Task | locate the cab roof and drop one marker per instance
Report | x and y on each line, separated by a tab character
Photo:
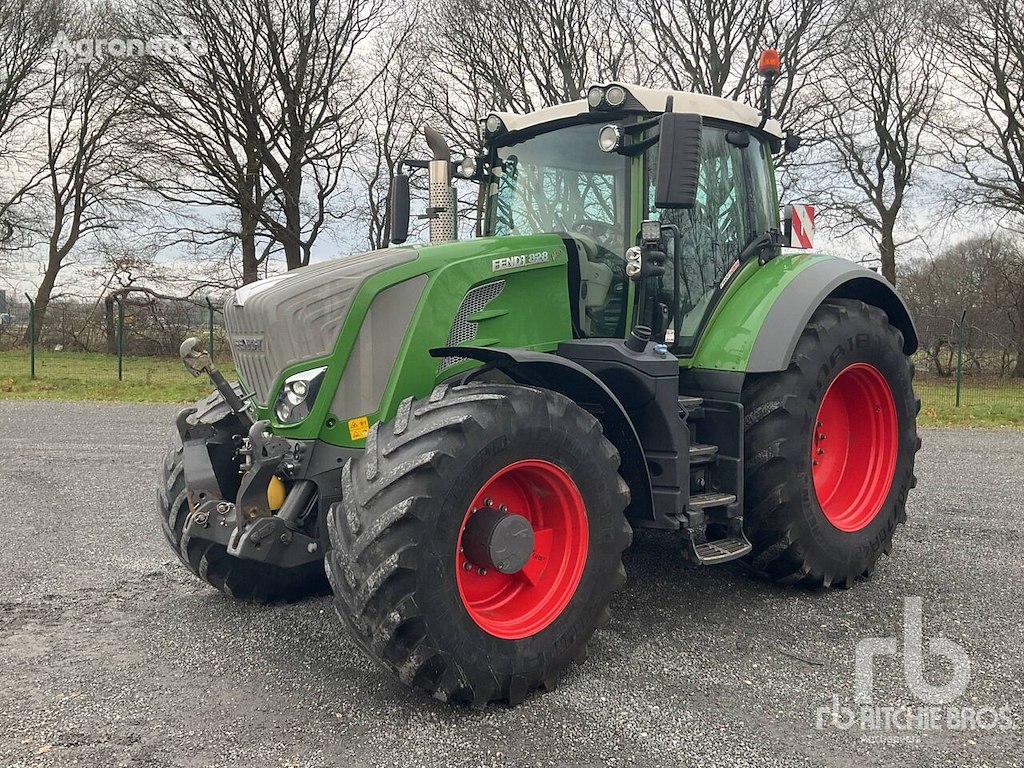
641	99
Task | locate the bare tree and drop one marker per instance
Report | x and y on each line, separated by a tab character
199	139
311	121
520	56
28	29
394	117
983	129
263	121
1005	259
880	97
984	277
84	166
712	47
134	275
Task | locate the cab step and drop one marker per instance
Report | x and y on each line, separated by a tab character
720	550
702	453
713	499
691	409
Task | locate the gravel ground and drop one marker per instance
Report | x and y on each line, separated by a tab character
112	654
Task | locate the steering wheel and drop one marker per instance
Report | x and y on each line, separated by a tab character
594	250
593	228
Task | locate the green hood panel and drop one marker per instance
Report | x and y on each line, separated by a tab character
531	311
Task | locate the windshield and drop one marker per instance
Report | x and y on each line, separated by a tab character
560	181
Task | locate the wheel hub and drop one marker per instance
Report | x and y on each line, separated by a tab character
522	548
854	446
495	538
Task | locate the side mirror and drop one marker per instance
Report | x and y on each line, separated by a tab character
678	161
399	208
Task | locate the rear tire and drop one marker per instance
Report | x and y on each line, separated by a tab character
403	585
830	445
241	579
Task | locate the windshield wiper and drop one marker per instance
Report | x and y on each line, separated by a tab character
769	239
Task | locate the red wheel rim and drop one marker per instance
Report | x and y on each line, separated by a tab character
517	605
853	448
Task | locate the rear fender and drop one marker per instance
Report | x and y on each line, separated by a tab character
765	309
540	369
831	278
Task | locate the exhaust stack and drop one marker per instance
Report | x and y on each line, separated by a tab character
441	199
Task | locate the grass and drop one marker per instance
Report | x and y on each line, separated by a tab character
983	402
80	376
84	376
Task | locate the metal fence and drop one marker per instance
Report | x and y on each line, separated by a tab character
972	390
964	366
102	337
959	364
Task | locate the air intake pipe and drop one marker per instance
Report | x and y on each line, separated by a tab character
441	199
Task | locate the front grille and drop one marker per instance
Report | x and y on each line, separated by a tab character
464	330
294	317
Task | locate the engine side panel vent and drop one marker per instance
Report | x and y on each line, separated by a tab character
463	329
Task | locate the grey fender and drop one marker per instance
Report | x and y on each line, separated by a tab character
834	278
548	371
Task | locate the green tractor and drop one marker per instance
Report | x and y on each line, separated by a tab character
458	438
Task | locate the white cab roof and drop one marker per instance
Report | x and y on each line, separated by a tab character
653	99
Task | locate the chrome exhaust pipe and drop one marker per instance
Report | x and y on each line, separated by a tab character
441	200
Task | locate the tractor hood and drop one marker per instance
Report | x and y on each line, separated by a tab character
297	316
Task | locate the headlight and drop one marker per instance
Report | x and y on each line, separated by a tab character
634	262
607	97
467	168
615	95
493	124
610	138
296	397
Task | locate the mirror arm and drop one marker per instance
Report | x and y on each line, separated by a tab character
639	148
633	128
673	229
771	239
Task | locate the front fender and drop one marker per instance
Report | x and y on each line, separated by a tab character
542	369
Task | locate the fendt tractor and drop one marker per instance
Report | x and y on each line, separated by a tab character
458	438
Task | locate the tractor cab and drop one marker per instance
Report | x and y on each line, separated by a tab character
590	170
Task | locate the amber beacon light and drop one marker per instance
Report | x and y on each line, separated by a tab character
768	64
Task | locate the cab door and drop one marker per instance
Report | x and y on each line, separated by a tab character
735	204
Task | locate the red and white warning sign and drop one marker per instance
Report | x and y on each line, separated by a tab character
800	225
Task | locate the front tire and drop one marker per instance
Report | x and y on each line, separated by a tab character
402	540
830	445
211	562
